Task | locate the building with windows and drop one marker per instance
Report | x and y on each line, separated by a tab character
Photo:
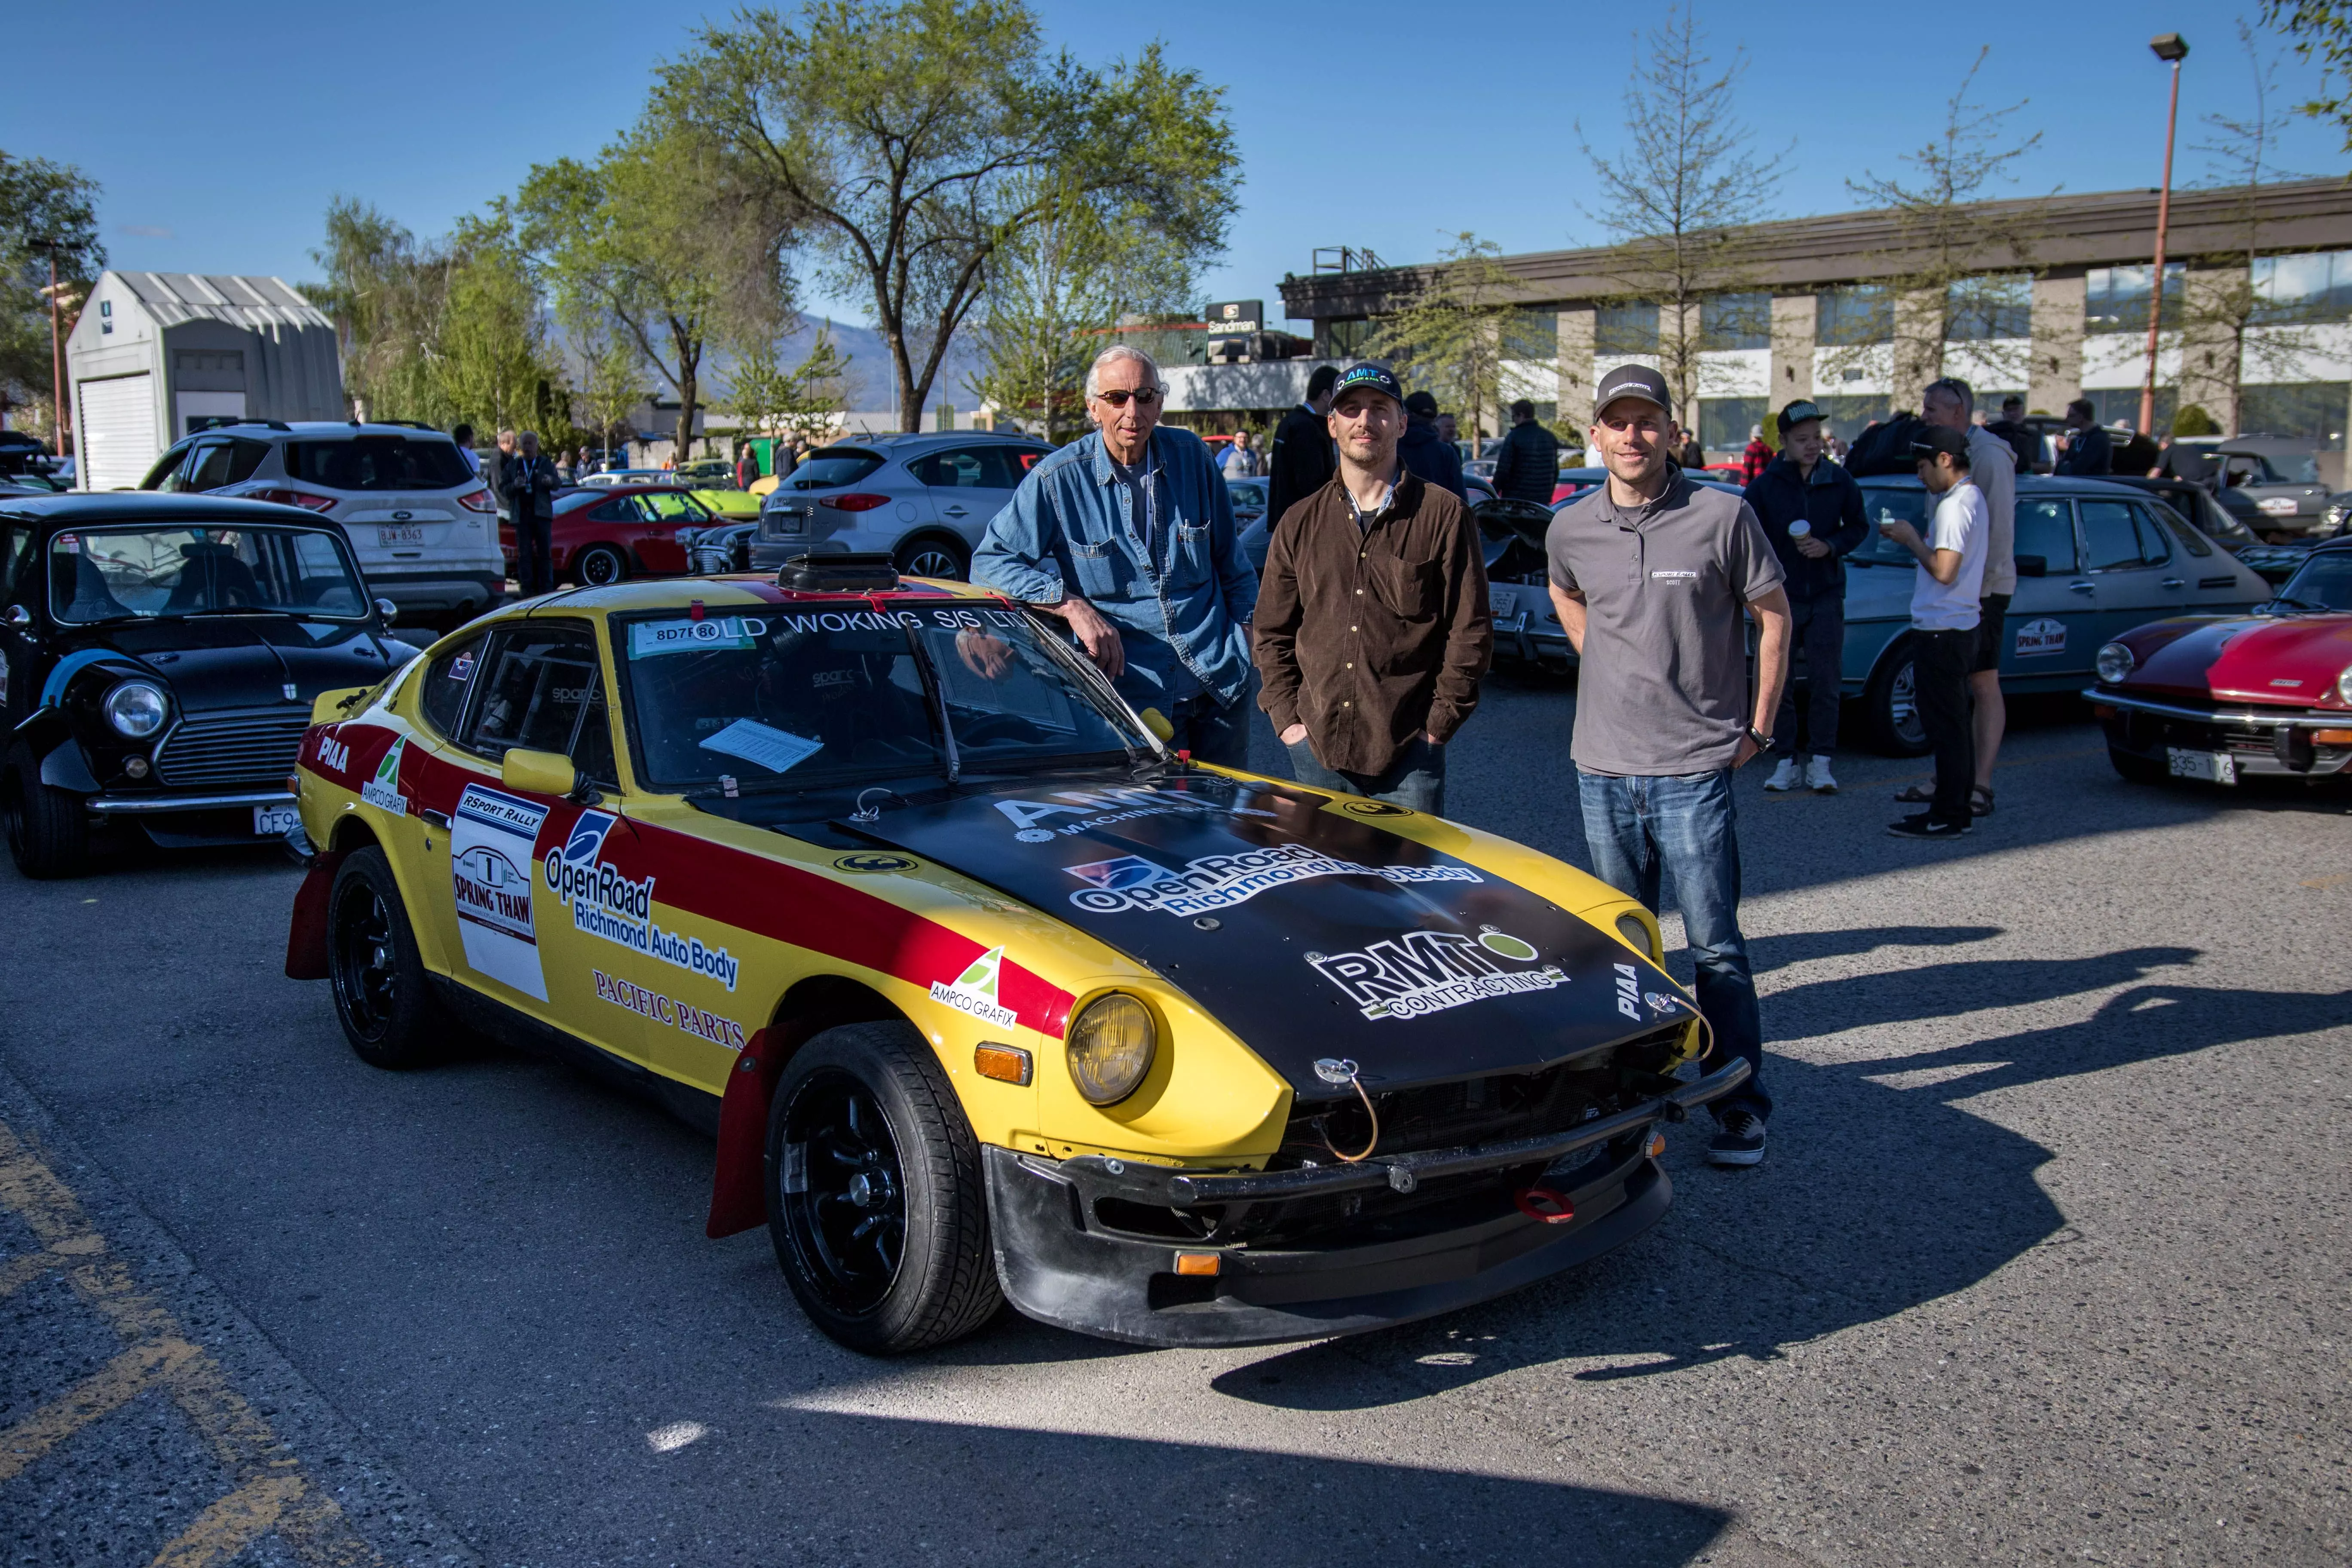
2255	324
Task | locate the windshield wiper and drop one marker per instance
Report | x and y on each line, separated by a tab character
2301	605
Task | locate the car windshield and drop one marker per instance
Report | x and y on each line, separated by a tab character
814	699
2324	581
1889	503
833	465
119	574
378	463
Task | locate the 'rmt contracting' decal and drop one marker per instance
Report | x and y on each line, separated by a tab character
1429	971
604	903
1218	881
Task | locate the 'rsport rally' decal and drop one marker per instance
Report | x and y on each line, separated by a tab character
1422	971
1220	881
490	839
606	904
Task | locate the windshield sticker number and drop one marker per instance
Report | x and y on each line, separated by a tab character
650	639
778	751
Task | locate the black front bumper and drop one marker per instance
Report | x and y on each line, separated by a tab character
2284	741
1059	1262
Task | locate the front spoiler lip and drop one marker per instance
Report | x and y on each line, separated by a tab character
1162	1187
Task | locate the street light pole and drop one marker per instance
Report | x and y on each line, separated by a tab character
2172	48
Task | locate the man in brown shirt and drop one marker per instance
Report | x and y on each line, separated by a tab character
1372	627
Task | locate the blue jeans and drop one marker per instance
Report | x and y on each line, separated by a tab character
1416	779
1212	732
1686	826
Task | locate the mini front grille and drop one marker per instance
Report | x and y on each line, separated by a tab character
212	751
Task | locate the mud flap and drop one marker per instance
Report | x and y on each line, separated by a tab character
306	938
739	1198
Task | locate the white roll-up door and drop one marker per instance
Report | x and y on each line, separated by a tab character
116	434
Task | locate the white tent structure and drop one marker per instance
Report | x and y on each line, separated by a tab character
158	354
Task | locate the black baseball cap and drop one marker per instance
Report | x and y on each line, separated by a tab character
1370	378
1633	381
1423	404
1941	438
1797	413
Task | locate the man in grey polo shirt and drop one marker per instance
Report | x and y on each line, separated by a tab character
1649	573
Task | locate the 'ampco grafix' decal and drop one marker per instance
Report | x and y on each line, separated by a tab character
974	991
605	903
490	839
1220	881
1421	972
383	791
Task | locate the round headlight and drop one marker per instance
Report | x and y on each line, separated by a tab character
2344	685
1111	1046
2115	661
137	708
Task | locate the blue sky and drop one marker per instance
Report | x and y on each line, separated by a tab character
220	134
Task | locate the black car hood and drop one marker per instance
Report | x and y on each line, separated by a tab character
213	662
1301	925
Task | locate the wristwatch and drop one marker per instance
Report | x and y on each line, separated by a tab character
1763	742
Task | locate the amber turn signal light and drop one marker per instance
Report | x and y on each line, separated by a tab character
2333	737
1197	1263
1657	1144
1006	1064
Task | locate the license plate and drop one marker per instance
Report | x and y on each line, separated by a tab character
391	534
2277	506
275	821
2213	767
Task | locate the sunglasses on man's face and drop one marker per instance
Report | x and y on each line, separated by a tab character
1117	396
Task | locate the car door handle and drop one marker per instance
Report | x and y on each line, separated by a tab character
953	511
2081	588
2174	583
434	819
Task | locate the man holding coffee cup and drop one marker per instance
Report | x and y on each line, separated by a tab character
1813	517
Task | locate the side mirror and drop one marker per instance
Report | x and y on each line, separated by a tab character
1157	723
2033	565
538	772
18	616
386	610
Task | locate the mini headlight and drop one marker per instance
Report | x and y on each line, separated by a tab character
2115	661
137	708
1111	1046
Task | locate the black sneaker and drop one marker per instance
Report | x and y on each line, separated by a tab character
1739	1139
1926	826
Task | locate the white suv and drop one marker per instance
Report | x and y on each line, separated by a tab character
422	524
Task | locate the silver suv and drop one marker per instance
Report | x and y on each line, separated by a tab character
419	518
924	499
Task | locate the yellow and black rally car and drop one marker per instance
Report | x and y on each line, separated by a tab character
986	994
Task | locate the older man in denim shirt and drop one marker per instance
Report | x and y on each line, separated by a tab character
1127	534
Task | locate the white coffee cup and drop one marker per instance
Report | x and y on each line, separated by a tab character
1800	529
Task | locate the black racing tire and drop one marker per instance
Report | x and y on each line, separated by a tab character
884	1238
1890	705
2137	770
932	555
387	1007
48	835
601	566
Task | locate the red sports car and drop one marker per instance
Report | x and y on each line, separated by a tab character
2219	696
608	534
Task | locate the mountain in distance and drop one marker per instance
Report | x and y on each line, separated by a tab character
871	384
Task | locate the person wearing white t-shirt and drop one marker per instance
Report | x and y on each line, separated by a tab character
1944	614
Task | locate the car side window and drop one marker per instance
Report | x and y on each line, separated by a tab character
542	690
617	509
2154	548
446	682
2046	528
967	467
208	466
2190	540
15	553
166	473
661	506
2109	537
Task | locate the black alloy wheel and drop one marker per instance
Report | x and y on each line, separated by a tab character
931	556
877	1203
388	1015
599	567
48	835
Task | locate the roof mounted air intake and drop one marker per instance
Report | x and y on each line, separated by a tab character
843	574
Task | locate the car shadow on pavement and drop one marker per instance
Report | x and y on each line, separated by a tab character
1883	1192
951	1491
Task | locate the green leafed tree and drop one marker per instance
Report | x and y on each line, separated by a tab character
916	140
607	378
1454	334
803	402
659	239
2320	30
40	200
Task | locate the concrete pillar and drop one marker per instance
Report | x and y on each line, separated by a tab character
1575	395
1793	337
2209	350
2055	376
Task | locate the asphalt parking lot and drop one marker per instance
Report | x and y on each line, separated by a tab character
2048	1261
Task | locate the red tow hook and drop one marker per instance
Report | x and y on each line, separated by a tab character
1543	1204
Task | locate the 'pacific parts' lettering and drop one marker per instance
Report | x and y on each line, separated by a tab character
606	903
1219	881
685	1015
1429	971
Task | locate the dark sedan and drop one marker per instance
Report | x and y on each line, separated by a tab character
158	658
